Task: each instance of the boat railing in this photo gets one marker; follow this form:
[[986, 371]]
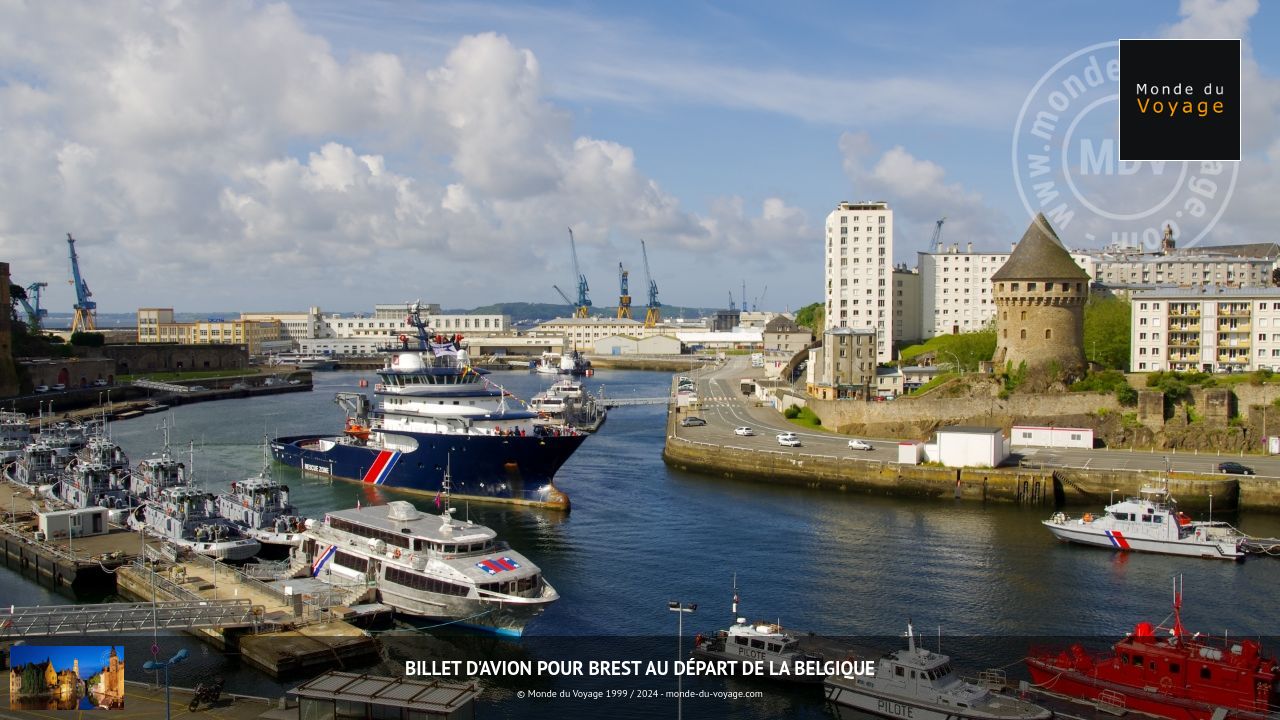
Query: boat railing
[[1110, 701]]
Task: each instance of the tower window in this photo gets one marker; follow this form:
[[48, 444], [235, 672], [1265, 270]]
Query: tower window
[[1048, 334], [1024, 334]]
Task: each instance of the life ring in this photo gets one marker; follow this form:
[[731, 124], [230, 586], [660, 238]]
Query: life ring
[[404, 338], [1166, 683], [396, 554]]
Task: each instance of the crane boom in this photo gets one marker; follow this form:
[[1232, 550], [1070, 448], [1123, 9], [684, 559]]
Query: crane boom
[[653, 313], [584, 299], [567, 301], [35, 313], [937, 233], [624, 294], [86, 310]]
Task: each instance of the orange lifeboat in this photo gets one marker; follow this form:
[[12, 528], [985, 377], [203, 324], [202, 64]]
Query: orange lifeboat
[[356, 430]]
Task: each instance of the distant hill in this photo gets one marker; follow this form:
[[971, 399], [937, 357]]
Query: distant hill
[[529, 312]]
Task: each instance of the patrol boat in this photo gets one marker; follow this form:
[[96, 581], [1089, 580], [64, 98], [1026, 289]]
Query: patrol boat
[[158, 472], [430, 406], [430, 566], [1150, 522], [260, 508], [922, 685], [89, 483], [180, 515]]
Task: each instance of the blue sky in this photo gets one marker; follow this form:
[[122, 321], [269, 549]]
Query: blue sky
[[92, 657], [251, 156]]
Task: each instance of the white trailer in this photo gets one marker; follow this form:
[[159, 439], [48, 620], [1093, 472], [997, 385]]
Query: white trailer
[[81, 522], [1050, 437]]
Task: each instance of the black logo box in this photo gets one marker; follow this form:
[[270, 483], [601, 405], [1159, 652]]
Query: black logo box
[[1160, 77]]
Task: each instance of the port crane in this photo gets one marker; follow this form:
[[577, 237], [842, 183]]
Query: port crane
[[86, 317], [31, 304], [732, 306], [652, 313], [937, 234], [624, 294], [584, 300], [567, 301], [755, 304]]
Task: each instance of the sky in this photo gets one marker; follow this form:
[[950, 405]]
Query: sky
[[93, 658], [242, 155]]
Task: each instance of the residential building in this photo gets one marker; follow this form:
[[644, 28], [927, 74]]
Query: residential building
[[908, 309], [783, 336], [1246, 265], [845, 364], [859, 261], [1210, 329]]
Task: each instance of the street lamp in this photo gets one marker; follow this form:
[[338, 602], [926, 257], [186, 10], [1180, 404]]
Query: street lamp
[[680, 609], [955, 357], [164, 665]]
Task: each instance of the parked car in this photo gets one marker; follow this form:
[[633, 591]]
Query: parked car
[[42, 388], [59, 387], [744, 431], [789, 441], [99, 383], [1235, 468], [693, 422], [856, 444]]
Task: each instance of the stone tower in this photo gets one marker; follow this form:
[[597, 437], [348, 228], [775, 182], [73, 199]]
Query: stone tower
[[1039, 295]]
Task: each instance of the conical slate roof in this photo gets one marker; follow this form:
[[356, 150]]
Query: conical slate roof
[[1040, 256]]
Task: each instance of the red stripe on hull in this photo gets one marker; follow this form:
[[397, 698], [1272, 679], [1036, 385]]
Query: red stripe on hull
[[1124, 544], [372, 474]]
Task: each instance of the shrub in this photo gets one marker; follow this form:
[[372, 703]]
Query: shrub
[[1126, 395], [791, 413]]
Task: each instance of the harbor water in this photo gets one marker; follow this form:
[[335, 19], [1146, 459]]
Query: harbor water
[[640, 535]]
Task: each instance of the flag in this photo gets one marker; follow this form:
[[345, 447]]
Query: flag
[[357, 503], [437, 499]]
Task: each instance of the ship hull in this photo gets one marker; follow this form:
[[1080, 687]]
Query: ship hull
[[483, 467], [1129, 542], [1085, 688], [844, 693]]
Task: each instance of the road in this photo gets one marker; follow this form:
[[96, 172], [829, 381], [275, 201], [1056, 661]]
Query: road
[[724, 407]]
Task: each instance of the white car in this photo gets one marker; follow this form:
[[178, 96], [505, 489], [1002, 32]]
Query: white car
[[744, 431], [789, 441], [860, 445]]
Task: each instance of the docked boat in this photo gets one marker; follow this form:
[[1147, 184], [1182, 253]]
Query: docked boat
[[430, 566], [1150, 522], [570, 362], [1166, 672], [259, 507], [157, 473], [759, 642], [922, 685], [180, 515], [39, 464], [90, 483], [306, 362], [15, 433], [429, 404]]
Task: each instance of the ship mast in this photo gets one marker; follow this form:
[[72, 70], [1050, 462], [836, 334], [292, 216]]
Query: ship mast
[[1178, 630]]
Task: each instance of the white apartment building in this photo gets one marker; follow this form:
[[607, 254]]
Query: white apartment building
[[1211, 329], [907, 309], [1184, 270], [955, 288], [859, 267]]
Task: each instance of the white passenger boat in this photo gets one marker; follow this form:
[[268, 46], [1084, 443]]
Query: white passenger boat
[[922, 685], [1150, 522], [431, 566]]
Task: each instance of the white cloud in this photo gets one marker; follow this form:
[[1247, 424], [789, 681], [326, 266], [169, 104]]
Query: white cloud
[[919, 194], [221, 156]]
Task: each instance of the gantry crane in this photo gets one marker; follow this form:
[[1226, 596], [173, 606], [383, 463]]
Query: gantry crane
[[652, 313], [584, 300], [624, 295], [86, 317], [31, 304]]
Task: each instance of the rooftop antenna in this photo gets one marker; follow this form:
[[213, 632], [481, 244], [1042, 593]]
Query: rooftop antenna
[[735, 594]]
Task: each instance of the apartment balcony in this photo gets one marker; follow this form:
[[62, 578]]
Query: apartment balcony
[[1237, 328], [1188, 327]]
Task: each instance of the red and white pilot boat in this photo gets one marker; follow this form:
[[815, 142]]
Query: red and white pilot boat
[[1167, 672]]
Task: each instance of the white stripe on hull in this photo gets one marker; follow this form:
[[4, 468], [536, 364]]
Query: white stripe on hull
[[885, 707], [1189, 548]]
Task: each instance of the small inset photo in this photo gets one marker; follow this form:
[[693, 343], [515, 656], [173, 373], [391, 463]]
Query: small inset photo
[[66, 677]]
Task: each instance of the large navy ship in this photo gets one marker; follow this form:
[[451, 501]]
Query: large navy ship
[[430, 405]]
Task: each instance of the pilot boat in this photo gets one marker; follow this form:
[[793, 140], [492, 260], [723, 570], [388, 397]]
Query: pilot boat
[[922, 685], [260, 508], [777, 649]]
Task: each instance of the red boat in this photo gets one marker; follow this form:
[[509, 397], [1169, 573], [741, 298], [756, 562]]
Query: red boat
[[1168, 673]]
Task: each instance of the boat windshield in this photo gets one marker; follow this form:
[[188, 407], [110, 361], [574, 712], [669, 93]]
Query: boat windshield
[[939, 672]]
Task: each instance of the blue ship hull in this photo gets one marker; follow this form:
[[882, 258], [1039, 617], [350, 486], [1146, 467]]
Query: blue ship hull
[[482, 467]]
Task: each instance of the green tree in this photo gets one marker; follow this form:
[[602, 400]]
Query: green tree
[[1106, 331], [812, 316], [966, 349], [88, 339]]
